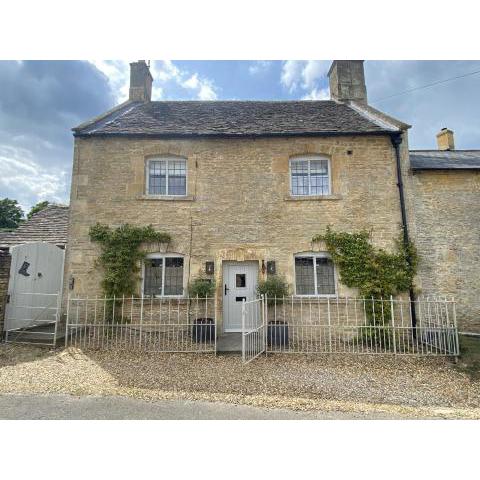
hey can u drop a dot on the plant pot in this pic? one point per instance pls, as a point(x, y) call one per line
point(277, 334)
point(203, 330)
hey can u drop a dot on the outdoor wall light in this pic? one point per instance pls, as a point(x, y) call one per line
point(209, 268)
point(271, 267)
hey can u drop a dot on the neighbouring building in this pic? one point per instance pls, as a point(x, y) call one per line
point(243, 186)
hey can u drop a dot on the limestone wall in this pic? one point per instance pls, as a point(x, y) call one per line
point(447, 235)
point(238, 205)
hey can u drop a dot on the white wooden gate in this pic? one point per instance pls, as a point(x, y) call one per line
point(253, 328)
point(34, 293)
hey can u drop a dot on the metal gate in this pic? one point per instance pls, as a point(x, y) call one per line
point(34, 293)
point(253, 328)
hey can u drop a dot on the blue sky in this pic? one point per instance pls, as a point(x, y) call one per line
point(41, 101)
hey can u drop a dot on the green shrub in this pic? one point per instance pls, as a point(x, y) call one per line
point(201, 287)
point(273, 287)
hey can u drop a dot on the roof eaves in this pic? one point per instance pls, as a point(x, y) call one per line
point(379, 118)
point(104, 116)
point(232, 135)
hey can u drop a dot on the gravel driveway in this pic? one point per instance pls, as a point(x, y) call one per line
point(410, 387)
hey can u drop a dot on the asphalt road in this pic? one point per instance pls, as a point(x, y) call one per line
point(67, 407)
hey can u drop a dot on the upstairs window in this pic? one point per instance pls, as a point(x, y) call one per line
point(314, 274)
point(163, 276)
point(310, 176)
point(167, 176)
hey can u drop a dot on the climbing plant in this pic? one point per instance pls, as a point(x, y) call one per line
point(376, 273)
point(121, 254)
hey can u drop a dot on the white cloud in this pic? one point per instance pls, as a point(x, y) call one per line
point(30, 181)
point(118, 75)
point(304, 75)
point(165, 74)
point(291, 74)
point(259, 66)
point(317, 94)
point(313, 71)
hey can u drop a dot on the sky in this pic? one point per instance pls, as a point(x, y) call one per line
point(40, 101)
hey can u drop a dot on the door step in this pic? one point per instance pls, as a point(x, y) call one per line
point(229, 343)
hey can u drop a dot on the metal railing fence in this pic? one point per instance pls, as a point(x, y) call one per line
point(253, 328)
point(142, 323)
point(361, 326)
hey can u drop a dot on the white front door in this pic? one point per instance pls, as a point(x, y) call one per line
point(239, 282)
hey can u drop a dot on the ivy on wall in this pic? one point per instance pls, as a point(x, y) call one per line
point(376, 273)
point(121, 255)
point(373, 271)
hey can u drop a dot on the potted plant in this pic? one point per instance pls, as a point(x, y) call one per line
point(275, 288)
point(202, 289)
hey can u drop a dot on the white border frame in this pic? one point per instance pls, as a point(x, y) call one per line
point(315, 255)
point(166, 159)
point(163, 256)
point(309, 158)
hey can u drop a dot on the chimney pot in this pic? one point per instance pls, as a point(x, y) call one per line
point(140, 82)
point(445, 140)
point(347, 81)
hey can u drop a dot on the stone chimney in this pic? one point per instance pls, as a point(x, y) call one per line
point(445, 139)
point(140, 82)
point(347, 81)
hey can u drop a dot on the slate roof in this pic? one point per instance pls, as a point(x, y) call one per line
point(235, 119)
point(445, 159)
point(49, 225)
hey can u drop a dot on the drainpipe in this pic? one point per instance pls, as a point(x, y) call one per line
point(396, 142)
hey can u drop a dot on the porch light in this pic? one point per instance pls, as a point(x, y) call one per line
point(209, 268)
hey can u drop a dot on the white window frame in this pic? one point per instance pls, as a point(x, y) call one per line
point(163, 256)
point(308, 158)
point(315, 255)
point(166, 160)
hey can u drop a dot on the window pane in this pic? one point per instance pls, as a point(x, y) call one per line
point(173, 276)
point(299, 177)
point(177, 177)
point(240, 280)
point(319, 177)
point(153, 277)
point(304, 278)
point(325, 276)
point(157, 178)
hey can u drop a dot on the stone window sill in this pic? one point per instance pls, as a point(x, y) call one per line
point(167, 198)
point(312, 198)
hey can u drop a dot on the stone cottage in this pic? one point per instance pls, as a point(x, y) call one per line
point(243, 186)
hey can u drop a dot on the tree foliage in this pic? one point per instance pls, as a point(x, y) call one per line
point(11, 214)
point(38, 208)
point(121, 255)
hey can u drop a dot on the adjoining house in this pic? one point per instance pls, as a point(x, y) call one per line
point(446, 197)
point(31, 273)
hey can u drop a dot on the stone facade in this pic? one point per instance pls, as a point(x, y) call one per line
point(238, 204)
point(447, 235)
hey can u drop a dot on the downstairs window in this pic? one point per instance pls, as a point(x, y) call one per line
point(163, 276)
point(314, 274)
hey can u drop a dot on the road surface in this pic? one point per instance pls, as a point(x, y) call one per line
point(67, 407)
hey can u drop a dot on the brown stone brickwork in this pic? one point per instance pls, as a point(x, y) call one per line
point(447, 235)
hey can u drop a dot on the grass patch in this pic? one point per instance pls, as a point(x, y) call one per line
point(469, 361)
